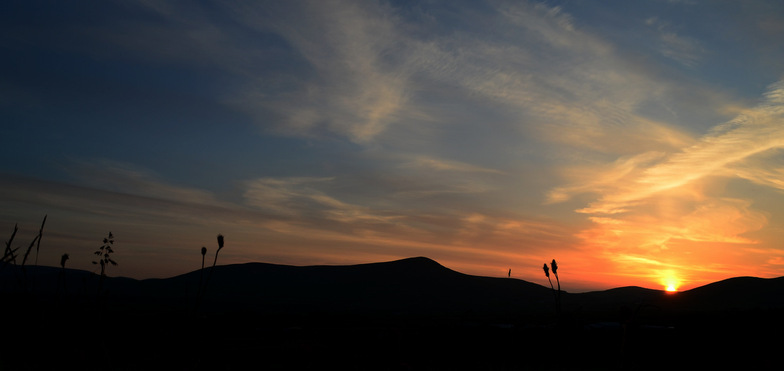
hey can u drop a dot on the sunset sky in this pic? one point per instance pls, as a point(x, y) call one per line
point(635, 142)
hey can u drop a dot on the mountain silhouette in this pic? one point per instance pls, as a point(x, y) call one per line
point(411, 313)
point(416, 286)
point(409, 286)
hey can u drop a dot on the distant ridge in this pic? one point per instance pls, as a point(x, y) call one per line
point(410, 286)
point(402, 313)
point(738, 293)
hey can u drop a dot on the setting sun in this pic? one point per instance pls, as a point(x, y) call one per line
point(671, 284)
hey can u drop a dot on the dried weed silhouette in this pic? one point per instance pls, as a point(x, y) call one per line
point(556, 294)
point(203, 285)
point(10, 254)
point(104, 258)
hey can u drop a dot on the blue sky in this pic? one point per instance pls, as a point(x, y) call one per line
point(636, 142)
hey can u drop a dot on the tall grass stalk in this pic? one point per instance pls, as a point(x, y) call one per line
point(24, 281)
point(27, 252)
point(10, 254)
point(40, 236)
point(36, 242)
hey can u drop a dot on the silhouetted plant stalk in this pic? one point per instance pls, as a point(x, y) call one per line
point(215, 261)
point(554, 267)
point(203, 254)
point(203, 288)
point(556, 294)
point(547, 273)
point(61, 276)
point(104, 257)
point(220, 246)
point(40, 235)
point(201, 274)
point(24, 261)
point(10, 254)
point(35, 240)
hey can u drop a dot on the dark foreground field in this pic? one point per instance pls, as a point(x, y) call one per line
point(411, 314)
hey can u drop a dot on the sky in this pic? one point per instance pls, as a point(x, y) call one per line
point(637, 143)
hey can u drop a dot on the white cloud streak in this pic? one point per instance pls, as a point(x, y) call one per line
point(637, 190)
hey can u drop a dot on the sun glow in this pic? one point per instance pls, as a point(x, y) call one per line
point(671, 283)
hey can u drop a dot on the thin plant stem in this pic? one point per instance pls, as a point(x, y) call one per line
point(40, 235)
point(212, 270)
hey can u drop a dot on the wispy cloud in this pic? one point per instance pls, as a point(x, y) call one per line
point(301, 197)
point(754, 132)
point(649, 201)
point(358, 85)
point(125, 178)
point(685, 50)
point(430, 163)
point(368, 74)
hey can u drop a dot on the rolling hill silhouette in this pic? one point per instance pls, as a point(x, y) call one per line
point(417, 286)
point(406, 314)
point(412, 286)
